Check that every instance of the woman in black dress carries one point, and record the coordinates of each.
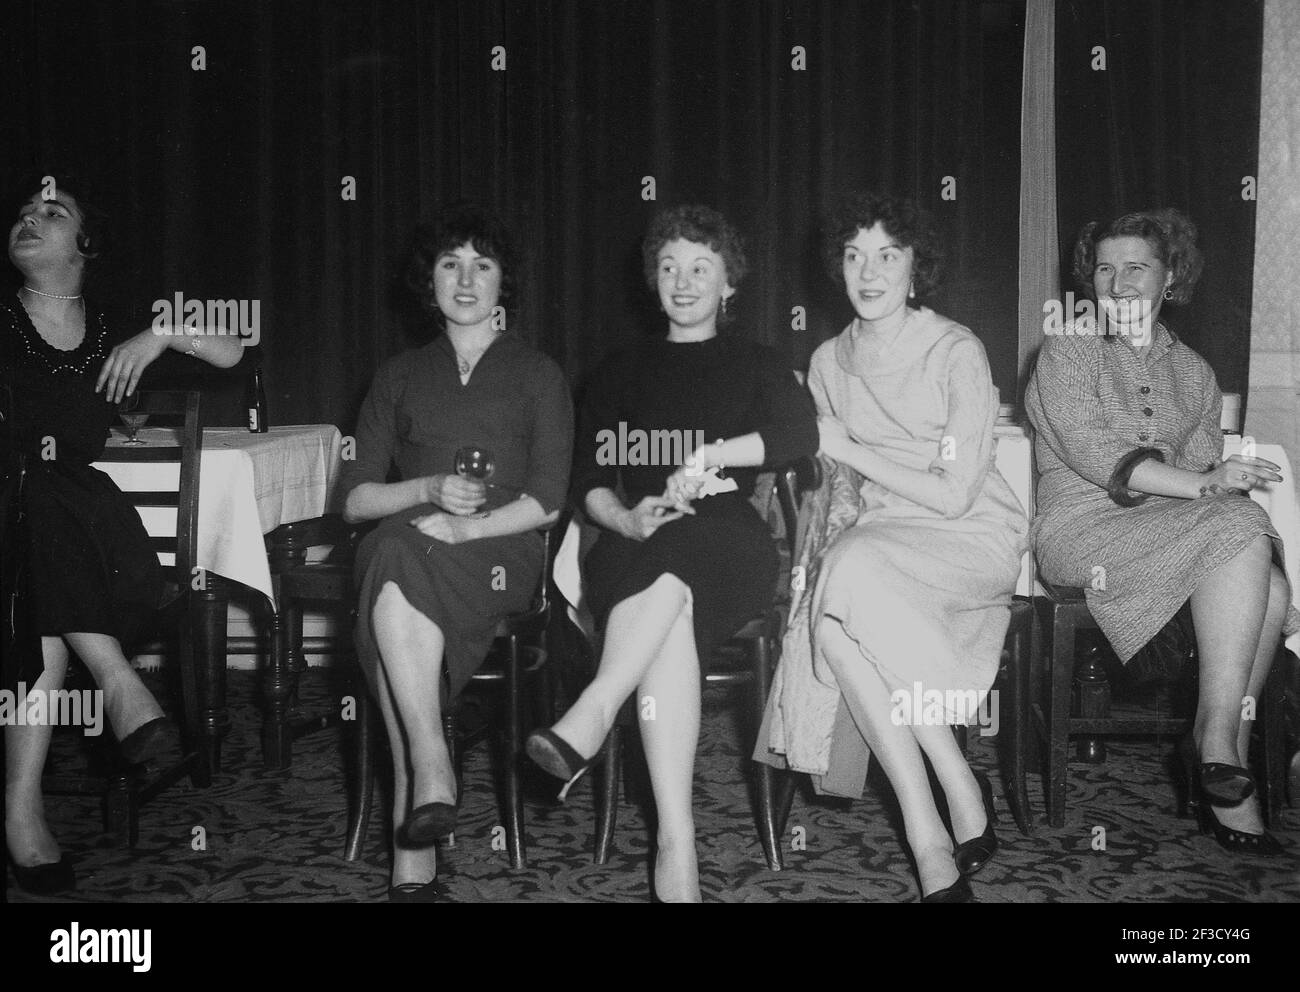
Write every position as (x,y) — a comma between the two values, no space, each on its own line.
(78,572)
(675,573)
(452,555)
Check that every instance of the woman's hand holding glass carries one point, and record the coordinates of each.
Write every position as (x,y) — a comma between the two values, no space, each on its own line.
(456,494)
(1239,473)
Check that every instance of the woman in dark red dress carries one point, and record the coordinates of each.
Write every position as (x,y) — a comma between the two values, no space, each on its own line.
(673,573)
(78,572)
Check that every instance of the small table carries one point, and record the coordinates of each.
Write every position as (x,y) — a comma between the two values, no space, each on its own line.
(250,485)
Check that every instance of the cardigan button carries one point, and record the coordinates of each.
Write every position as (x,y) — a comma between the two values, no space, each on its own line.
(1146,410)
(1142,437)
(1144,390)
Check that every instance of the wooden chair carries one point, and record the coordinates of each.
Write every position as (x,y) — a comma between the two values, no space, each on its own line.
(748,657)
(124,787)
(517,660)
(1064,612)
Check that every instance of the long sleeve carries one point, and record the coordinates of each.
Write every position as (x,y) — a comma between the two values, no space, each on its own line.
(788,418)
(1065,406)
(376,433)
(551,449)
(966,448)
(600,411)
(1204,448)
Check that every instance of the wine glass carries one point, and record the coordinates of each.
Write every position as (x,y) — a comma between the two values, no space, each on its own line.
(475,463)
(128,410)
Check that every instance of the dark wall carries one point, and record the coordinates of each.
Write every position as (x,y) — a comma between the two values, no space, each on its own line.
(225,183)
(1172,121)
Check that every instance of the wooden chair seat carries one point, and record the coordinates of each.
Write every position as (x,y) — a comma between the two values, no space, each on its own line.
(517,662)
(1046,707)
(747,657)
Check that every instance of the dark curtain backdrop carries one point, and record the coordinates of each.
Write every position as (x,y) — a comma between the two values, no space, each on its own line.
(226,183)
(1172,121)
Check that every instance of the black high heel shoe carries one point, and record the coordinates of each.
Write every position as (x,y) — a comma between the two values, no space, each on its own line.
(972,855)
(1237,841)
(429,823)
(1221,784)
(150,740)
(556,756)
(433,891)
(959,891)
(47,879)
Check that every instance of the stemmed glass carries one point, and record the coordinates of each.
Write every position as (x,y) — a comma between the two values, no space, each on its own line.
(128,410)
(475,463)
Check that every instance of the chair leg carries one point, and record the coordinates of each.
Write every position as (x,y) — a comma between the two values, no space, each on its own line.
(1273,741)
(455,754)
(1013,736)
(1062,681)
(117,810)
(607,797)
(277,688)
(767,832)
(200,769)
(365,776)
(513,755)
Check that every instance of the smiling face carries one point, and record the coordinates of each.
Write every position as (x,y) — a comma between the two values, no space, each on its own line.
(45,235)
(877,273)
(1130,282)
(692,283)
(466,285)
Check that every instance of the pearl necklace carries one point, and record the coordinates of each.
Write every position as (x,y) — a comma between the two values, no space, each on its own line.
(51,296)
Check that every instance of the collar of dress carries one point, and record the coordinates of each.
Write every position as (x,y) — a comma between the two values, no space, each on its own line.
(855,349)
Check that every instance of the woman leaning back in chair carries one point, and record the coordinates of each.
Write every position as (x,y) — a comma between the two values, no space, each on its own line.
(79,574)
(913,595)
(673,573)
(1133,486)
(453,555)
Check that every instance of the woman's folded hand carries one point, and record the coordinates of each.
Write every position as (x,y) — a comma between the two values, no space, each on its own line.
(443,527)
(455,494)
(125,364)
(1237,472)
(649,515)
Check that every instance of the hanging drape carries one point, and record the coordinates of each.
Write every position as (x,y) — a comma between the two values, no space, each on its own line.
(227,181)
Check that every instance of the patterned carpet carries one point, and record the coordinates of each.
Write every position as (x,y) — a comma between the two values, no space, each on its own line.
(278,836)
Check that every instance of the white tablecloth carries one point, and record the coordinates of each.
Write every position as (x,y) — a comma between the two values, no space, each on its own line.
(249,484)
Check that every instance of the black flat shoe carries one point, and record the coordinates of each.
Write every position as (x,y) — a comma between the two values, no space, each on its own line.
(149,741)
(429,823)
(47,879)
(972,855)
(555,756)
(433,891)
(1237,841)
(1221,784)
(959,891)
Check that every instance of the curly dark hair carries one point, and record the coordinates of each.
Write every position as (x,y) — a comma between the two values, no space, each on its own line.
(901,219)
(458,224)
(704,226)
(92,238)
(1169,232)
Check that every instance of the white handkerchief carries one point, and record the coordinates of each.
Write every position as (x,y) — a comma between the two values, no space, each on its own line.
(714,486)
